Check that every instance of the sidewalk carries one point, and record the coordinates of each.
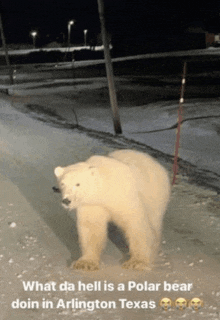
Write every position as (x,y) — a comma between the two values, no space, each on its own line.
(32,252)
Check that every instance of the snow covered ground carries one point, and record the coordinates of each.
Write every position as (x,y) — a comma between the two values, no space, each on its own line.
(153,124)
(39,238)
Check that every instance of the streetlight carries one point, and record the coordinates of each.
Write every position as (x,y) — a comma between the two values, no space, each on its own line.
(85,34)
(34,34)
(70,23)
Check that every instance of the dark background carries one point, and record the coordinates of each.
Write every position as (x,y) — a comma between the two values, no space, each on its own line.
(125,18)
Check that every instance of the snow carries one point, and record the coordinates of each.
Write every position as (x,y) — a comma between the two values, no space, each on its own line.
(27,51)
(39,238)
(152,124)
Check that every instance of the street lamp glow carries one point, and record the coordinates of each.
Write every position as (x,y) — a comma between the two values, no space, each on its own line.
(70,23)
(85,35)
(34,34)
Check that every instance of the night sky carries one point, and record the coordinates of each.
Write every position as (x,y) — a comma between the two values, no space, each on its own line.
(124,18)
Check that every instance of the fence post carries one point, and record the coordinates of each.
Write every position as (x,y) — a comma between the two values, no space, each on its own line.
(6,51)
(180,119)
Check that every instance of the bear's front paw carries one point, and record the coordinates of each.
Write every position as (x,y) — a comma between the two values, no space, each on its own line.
(136,264)
(86,265)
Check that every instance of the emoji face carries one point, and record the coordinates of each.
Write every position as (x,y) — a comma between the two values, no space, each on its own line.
(166,303)
(196,304)
(180,303)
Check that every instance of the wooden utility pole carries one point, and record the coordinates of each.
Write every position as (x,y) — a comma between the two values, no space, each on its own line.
(6,51)
(109,70)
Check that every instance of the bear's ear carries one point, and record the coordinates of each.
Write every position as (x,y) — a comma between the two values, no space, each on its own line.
(58,171)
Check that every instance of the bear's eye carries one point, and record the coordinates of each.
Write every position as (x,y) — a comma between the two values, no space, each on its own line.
(78,184)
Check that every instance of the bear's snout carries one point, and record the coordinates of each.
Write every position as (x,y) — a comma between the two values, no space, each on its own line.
(66,201)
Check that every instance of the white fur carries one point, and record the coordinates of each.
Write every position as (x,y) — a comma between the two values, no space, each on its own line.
(127,187)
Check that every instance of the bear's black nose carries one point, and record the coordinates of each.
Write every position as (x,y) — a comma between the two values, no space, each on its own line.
(66,201)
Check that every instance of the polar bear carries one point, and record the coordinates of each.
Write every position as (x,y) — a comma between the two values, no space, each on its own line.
(126,187)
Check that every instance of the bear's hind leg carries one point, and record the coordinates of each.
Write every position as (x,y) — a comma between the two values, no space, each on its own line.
(141,238)
(92,230)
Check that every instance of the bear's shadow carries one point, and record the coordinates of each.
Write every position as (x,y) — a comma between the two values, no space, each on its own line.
(116,235)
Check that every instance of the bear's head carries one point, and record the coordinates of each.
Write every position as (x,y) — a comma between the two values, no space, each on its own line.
(79,184)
